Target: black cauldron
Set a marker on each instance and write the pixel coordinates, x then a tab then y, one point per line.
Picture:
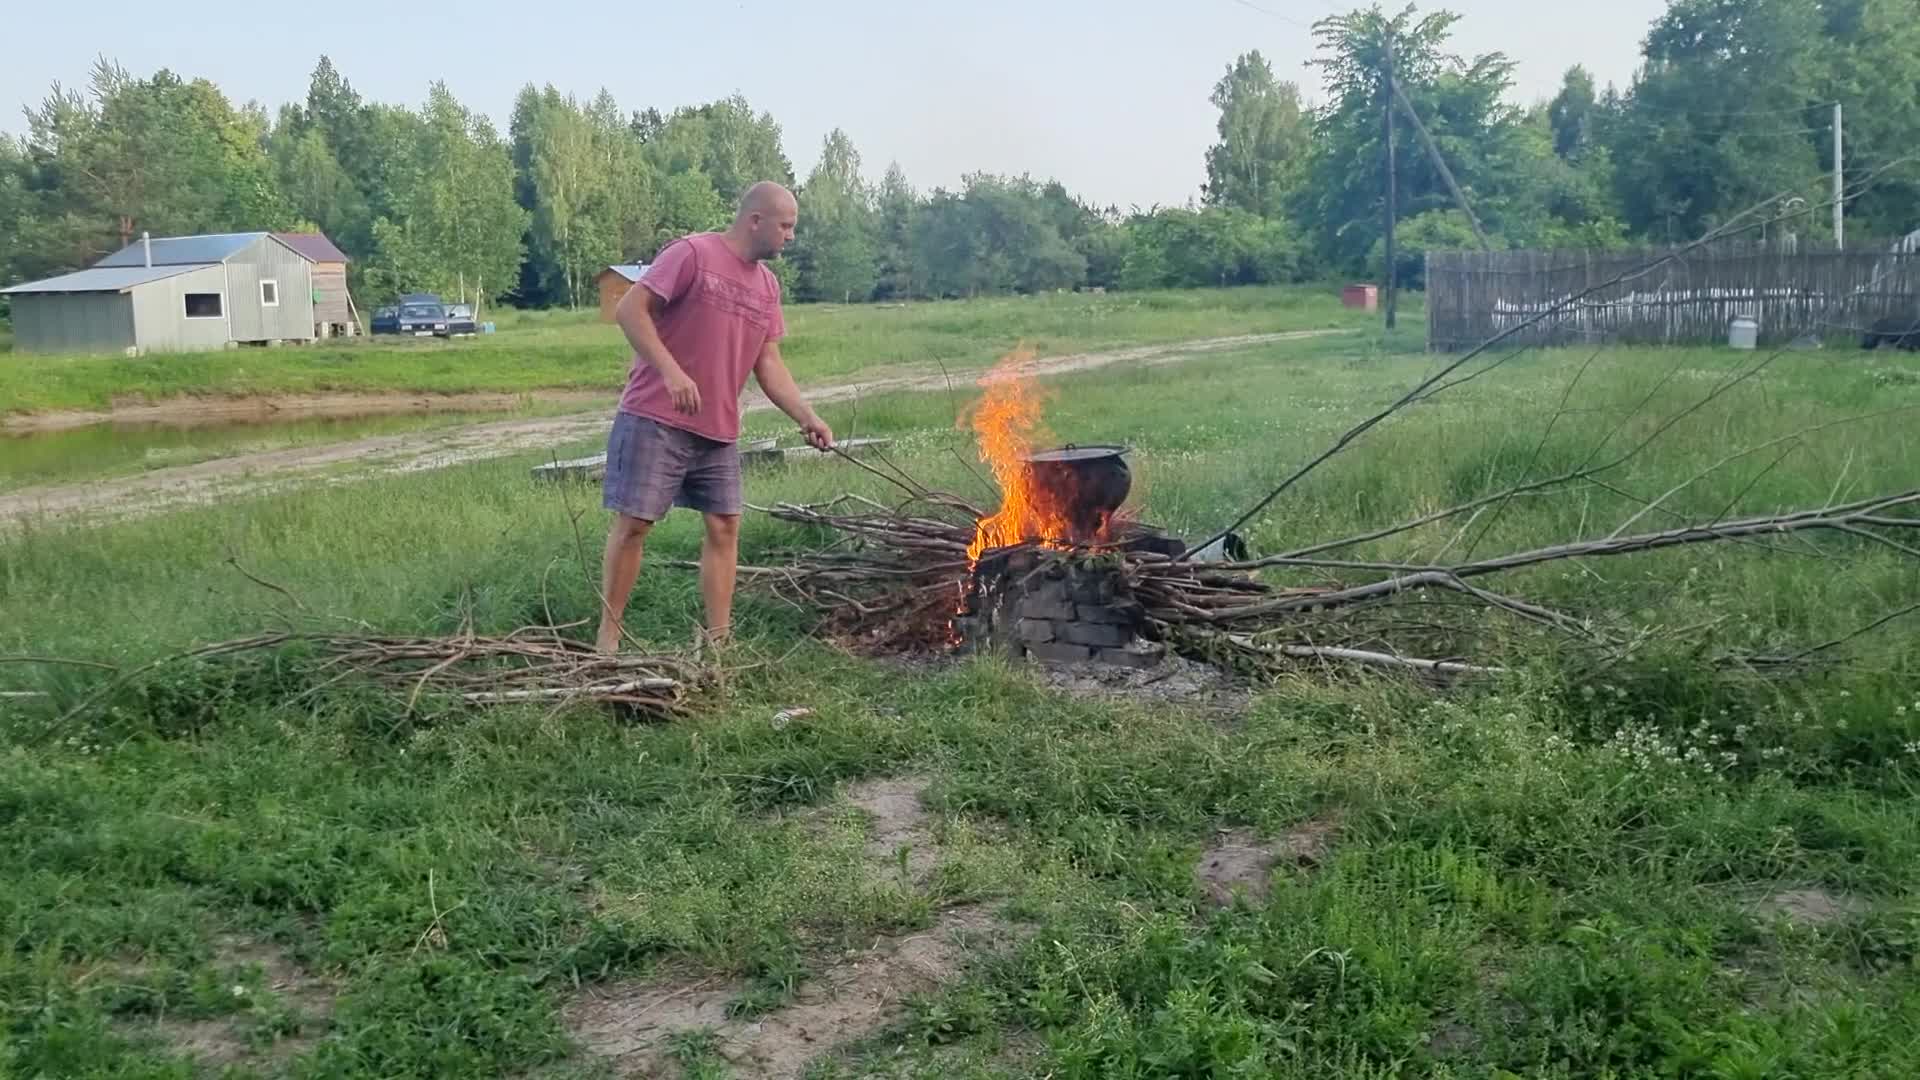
1085	483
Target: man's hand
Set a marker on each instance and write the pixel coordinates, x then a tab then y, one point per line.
686	395
819	435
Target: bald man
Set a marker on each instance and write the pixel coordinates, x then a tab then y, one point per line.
704	315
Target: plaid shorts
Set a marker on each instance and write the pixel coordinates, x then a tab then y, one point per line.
652	468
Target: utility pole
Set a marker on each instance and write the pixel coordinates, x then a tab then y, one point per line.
1440	164
1839	187
1386	114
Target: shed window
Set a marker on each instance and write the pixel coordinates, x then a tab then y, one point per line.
203	305
269	293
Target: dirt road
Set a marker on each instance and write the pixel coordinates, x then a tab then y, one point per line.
211	481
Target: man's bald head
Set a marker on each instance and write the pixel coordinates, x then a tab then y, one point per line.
766	197
765	219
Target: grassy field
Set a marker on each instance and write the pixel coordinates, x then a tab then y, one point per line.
1666	871
102	451
573	351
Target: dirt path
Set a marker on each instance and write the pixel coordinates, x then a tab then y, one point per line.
194	412
211	481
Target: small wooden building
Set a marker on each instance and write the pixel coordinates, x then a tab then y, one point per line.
613	283
333	311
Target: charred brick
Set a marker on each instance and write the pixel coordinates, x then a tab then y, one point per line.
1121	613
1047	602
1097	635
1036	631
1057	653
1090	588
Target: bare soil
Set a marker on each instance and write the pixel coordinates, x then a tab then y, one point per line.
1811	906
899	823
224	1041
193	411
1175	680
632	1026
1240	861
211	481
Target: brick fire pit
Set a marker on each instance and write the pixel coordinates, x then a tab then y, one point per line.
1056	608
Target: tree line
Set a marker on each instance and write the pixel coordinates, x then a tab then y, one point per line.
1731	103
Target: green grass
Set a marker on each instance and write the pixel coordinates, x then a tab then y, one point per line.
573	351
1531	878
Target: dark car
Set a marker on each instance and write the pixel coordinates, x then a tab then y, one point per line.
423	315
460	321
385	321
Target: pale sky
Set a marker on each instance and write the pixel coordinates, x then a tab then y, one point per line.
1108	96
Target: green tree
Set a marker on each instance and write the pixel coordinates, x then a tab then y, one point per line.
320	190
573	227
1874	69
1462	104
1264	135
688	204
337	111
895	206
725	141
456	228
162	155
1724	114
1212	247
1571	113
998	235
835	256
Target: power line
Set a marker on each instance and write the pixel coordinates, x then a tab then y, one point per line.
1629	104
1251	6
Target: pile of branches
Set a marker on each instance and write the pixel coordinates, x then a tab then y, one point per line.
891	580
534	664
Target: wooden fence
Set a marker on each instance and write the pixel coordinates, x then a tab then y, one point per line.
1832	295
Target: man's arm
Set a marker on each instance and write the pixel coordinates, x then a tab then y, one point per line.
777	383
634	315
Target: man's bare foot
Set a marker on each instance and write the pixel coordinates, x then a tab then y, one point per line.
712	641
608	642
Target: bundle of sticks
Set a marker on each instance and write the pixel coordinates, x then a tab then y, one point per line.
533	664
892	578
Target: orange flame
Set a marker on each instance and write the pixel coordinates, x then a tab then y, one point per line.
1006	422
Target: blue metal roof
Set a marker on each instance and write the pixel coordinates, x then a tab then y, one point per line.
103	279
181	250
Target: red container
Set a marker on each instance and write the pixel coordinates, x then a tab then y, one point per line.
1365	297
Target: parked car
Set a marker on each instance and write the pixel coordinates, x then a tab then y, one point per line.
460	321
423	315
386	320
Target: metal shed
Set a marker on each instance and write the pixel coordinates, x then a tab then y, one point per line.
171	294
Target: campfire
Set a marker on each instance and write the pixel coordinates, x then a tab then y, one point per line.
1038	582
1062	499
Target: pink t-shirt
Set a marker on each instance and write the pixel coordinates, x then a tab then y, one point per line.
719	310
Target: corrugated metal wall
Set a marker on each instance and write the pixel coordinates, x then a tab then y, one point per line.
160	312
269	259
72	322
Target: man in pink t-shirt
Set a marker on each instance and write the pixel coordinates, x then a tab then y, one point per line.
704	316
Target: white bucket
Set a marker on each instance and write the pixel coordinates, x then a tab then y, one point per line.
1743	332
